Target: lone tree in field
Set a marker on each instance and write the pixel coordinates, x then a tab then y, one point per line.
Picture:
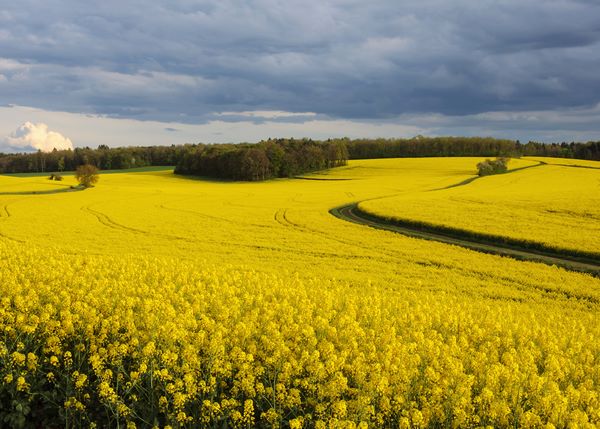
87	175
495	166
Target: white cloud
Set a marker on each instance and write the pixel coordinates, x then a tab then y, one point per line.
37	136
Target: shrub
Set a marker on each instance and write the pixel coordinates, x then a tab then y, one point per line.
493	166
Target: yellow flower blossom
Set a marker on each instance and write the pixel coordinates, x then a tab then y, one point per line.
22	384
18	358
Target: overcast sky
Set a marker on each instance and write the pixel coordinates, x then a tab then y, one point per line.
174	71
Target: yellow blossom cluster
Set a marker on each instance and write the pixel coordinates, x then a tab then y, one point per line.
155	341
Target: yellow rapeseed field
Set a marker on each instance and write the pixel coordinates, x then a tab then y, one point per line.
155	300
14	185
557	204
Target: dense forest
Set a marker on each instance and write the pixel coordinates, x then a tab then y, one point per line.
467	146
265	160
431	146
104	158
283	157
589	150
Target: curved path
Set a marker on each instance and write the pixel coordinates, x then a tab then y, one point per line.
47	192
352	213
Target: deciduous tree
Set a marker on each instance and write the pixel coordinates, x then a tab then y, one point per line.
87	175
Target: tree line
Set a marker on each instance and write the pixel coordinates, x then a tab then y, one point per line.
468	146
420	146
589	150
103	157
265	160
283	157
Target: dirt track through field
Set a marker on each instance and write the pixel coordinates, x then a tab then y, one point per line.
352	213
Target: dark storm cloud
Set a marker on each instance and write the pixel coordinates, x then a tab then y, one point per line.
184	60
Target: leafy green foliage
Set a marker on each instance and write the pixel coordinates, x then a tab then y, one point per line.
87	175
265	160
492	166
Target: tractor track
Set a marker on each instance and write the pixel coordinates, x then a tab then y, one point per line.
351	213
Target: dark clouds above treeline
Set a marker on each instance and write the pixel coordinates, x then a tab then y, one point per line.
184	61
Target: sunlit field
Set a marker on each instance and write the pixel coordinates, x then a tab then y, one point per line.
556	205
154	299
15	185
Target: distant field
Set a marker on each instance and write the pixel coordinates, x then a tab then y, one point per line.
157	298
556	205
33	184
